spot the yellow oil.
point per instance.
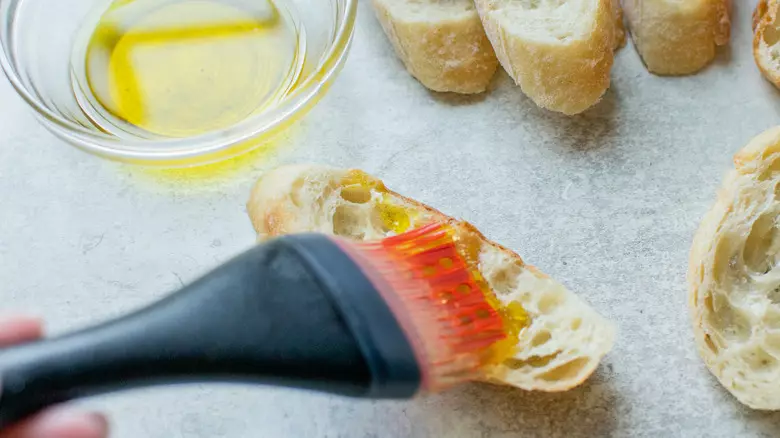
(399, 219)
(179, 68)
(514, 317)
(394, 218)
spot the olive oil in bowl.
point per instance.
(180, 68)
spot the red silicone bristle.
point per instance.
(429, 286)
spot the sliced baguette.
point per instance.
(560, 52)
(620, 29)
(565, 339)
(441, 43)
(676, 37)
(766, 40)
(734, 277)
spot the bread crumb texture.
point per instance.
(734, 277)
(766, 40)
(565, 338)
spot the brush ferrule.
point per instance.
(395, 372)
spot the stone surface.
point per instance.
(607, 202)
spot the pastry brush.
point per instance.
(383, 319)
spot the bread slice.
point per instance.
(441, 43)
(564, 338)
(620, 29)
(734, 277)
(766, 40)
(676, 37)
(560, 52)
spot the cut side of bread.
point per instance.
(766, 40)
(563, 339)
(441, 43)
(676, 37)
(734, 277)
(560, 52)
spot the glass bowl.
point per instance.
(38, 37)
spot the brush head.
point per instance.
(440, 300)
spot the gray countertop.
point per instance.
(606, 202)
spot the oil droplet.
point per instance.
(517, 314)
(394, 218)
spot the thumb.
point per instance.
(60, 423)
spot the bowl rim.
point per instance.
(211, 143)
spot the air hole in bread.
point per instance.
(533, 361)
(541, 361)
(720, 261)
(758, 359)
(295, 191)
(549, 302)
(773, 168)
(356, 194)
(569, 370)
(504, 279)
(710, 344)
(541, 338)
(708, 304)
(729, 322)
(771, 34)
(772, 318)
(346, 222)
(760, 240)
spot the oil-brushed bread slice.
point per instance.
(441, 43)
(676, 37)
(560, 52)
(734, 277)
(562, 339)
(766, 40)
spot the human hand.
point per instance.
(55, 422)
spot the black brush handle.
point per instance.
(294, 312)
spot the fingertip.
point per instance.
(15, 329)
(61, 423)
